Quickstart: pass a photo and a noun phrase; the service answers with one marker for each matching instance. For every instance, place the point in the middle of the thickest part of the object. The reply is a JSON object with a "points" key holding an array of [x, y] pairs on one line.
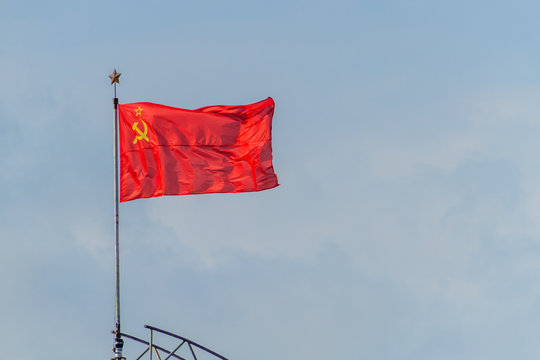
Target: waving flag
{"points": [[214, 149]]}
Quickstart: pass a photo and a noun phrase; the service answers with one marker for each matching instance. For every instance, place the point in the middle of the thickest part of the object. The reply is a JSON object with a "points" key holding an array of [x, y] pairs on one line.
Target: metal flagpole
{"points": [[118, 342]]}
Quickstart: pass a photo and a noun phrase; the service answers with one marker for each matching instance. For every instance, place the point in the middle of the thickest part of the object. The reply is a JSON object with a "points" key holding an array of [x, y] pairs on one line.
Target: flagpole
{"points": [[118, 342]]}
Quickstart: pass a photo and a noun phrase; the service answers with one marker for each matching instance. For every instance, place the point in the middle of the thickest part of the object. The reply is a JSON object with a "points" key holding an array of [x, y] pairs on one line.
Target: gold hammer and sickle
{"points": [[142, 135]]}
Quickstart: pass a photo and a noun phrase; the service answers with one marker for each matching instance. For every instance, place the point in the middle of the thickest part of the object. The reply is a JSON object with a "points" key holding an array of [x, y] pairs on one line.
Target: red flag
{"points": [[214, 149]]}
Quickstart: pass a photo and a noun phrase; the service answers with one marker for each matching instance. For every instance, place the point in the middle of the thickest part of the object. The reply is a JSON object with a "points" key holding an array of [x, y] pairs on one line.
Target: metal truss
{"points": [[182, 348]]}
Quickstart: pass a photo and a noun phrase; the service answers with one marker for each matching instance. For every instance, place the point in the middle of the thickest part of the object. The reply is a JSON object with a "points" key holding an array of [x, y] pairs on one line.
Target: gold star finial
{"points": [[138, 111], [115, 77]]}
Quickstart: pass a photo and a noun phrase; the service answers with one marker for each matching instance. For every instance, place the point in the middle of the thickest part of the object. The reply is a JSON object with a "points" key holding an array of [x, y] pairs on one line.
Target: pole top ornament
{"points": [[115, 77]]}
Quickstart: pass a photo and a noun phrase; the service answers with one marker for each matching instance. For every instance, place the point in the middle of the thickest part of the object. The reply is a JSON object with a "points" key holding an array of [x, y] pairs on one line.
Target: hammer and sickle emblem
{"points": [[142, 134]]}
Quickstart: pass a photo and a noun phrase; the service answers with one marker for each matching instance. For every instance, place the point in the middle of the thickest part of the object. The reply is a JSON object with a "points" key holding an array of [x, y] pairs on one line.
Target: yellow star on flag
{"points": [[138, 112]]}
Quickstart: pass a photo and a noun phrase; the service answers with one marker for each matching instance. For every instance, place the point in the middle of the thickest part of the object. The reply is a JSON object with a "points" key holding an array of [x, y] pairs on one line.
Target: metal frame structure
{"points": [[162, 353]]}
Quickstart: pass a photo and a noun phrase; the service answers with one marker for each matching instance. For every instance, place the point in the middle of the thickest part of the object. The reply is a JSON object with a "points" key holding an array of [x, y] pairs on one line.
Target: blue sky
{"points": [[405, 138]]}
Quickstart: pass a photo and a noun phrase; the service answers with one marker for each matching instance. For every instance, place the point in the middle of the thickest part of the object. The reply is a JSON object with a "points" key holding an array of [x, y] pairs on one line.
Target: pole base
{"points": [[118, 358]]}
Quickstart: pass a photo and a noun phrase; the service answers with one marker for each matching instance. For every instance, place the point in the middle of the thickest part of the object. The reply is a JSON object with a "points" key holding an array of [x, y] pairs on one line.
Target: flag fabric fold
{"points": [[214, 149]]}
